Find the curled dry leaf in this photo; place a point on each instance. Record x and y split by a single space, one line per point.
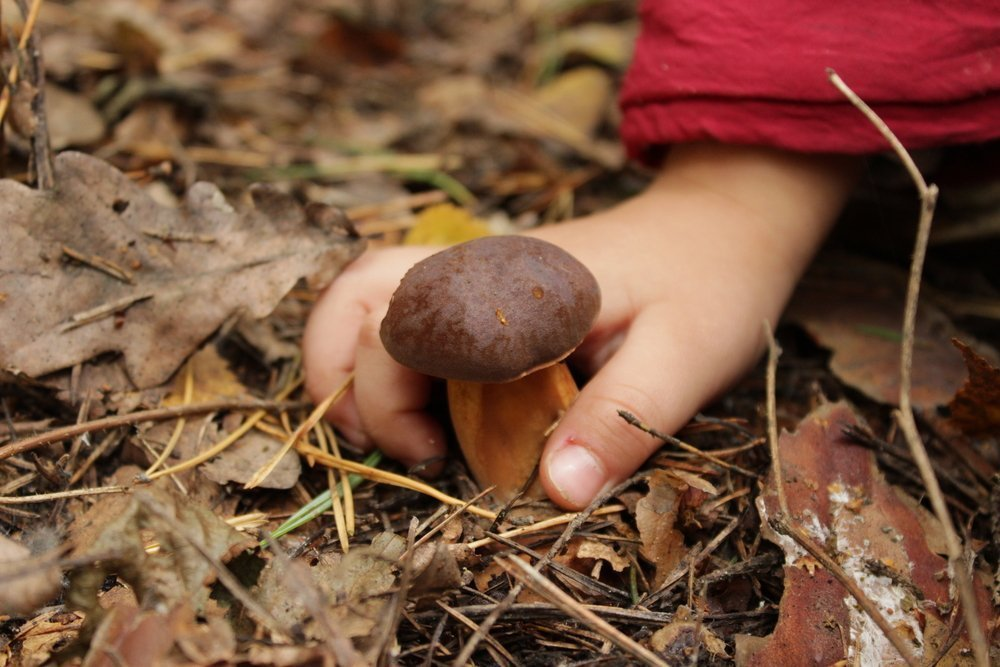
354 588
655 517
683 637
976 407
838 497
117 531
96 266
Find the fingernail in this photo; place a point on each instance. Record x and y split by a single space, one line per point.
577 475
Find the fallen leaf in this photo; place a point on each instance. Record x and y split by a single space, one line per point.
117 530
241 461
26 585
38 640
435 570
150 282
976 407
212 380
355 588
608 44
838 497
445 224
581 97
655 517
678 640
855 308
602 552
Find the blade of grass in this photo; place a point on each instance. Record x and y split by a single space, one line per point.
323 502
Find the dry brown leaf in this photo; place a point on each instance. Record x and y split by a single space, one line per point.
655 517
837 495
212 380
855 308
355 588
601 552
117 530
162 297
241 461
26 586
434 570
976 407
38 640
678 640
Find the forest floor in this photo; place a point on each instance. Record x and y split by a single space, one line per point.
197 171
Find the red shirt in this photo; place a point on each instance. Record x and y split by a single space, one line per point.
755 73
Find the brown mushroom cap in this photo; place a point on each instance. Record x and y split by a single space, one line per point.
490 310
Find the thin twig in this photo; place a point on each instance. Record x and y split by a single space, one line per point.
59 495
680 444
538 526
469 623
12 74
904 415
782 523
501 607
525 573
773 352
158 414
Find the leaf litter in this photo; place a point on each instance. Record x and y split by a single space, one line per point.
156 265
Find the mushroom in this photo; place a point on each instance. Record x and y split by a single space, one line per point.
496 317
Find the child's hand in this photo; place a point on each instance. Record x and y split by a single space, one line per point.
689 270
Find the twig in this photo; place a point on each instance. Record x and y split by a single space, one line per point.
101 264
680 444
501 607
538 526
904 415
773 352
59 495
159 414
781 525
469 623
100 312
41 149
525 573
13 72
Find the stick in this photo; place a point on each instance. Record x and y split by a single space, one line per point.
904 415
159 414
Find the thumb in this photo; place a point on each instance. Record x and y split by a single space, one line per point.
662 374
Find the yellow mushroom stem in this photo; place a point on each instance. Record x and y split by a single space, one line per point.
502 427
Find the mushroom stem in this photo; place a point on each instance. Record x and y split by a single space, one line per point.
502 427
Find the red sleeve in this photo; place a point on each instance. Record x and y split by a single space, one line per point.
755 73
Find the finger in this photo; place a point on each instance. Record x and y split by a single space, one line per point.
662 374
392 401
330 339
328 348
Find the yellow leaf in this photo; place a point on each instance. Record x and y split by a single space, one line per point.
212 380
445 224
580 97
